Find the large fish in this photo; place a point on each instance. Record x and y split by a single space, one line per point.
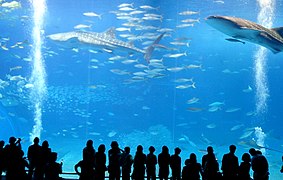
241 29
106 40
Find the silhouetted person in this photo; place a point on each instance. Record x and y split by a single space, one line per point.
210 165
34 156
86 170
192 169
185 170
139 164
163 162
175 164
2 163
126 162
15 161
259 165
89 153
114 155
151 161
53 169
100 163
45 156
230 164
281 170
244 168
12 154
19 171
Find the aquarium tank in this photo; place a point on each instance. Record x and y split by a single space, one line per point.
181 73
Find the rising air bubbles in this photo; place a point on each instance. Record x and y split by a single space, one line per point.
265 18
38 75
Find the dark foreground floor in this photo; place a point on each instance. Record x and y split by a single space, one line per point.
3 178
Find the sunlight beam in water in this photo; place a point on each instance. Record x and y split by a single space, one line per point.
38 75
265 17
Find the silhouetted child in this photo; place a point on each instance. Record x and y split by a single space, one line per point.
151 161
281 170
175 164
244 168
53 169
139 164
126 162
2 163
192 169
163 162
185 170
230 164
114 155
100 163
19 169
259 165
210 165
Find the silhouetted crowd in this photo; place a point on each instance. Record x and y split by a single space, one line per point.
41 163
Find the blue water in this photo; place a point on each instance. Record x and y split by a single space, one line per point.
85 100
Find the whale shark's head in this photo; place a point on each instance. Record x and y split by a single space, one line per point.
65 40
225 24
62 36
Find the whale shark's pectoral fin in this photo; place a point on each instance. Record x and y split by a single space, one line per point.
72 43
274 50
234 40
73 40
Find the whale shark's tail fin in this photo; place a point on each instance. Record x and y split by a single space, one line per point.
150 49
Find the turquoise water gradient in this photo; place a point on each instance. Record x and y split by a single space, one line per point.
87 99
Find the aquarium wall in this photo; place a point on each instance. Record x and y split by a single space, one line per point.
147 72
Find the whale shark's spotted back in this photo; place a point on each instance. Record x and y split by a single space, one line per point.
105 39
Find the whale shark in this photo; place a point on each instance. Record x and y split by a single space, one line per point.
242 29
102 40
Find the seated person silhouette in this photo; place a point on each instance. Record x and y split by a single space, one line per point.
87 171
53 169
192 169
